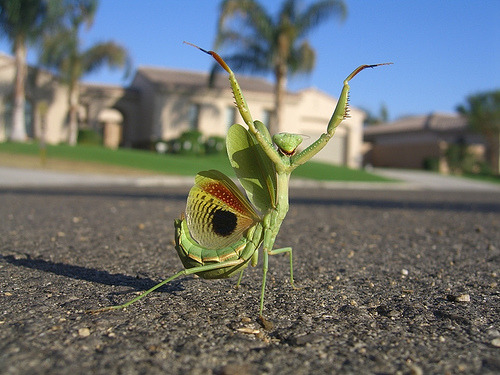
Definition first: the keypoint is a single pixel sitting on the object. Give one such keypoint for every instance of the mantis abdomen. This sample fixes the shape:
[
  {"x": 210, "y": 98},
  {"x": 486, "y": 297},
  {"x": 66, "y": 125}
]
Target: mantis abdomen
[{"x": 236, "y": 257}]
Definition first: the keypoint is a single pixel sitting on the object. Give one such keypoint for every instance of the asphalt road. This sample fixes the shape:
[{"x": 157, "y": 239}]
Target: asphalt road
[{"x": 391, "y": 282}]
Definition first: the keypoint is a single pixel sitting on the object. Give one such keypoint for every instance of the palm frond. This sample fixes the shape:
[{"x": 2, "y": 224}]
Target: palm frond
[
  {"x": 288, "y": 11},
  {"x": 56, "y": 48},
  {"x": 107, "y": 53},
  {"x": 249, "y": 14},
  {"x": 302, "y": 59},
  {"x": 319, "y": 12}
]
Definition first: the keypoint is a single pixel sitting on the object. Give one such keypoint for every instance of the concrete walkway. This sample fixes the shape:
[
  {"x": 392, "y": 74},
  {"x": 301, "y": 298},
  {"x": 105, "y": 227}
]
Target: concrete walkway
[
  {"x": 408, "y": 180},
  {"x": 433, "y": 181},
  {"x": 25, "y": 177}
]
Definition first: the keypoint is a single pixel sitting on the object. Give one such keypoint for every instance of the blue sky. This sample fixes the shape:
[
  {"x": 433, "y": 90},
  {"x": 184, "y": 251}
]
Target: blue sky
[{"x": 442, "y": 50}]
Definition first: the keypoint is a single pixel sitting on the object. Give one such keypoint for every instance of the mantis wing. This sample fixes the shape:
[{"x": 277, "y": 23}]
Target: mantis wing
[
  {"x": 217, "y": 213},
  {"x": 252, "y": 166}
]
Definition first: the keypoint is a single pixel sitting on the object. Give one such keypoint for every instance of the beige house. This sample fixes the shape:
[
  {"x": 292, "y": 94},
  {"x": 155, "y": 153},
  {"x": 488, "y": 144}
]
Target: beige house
[
  {"x": 413, "y": 141},
  {"x": 41, "y": 87},
  {"x": 160, "y": 104}
]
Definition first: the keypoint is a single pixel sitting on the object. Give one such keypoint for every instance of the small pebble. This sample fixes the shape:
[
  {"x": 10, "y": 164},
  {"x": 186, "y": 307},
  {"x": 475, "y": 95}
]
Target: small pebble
[
  {"x": 83, "y": 332},
  {"x": 496, "y": 342},
  {"x": 463, "y": 298},
  {"x": 248, "y": 330},
  {"x": 416, "y": 370},
  {"x": 458, "y": 298}
]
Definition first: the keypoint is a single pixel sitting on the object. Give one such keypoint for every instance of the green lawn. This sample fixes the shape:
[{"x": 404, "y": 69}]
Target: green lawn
[
  {"x": 175, "y": 164},
  {"x": 483, "y": 177}
]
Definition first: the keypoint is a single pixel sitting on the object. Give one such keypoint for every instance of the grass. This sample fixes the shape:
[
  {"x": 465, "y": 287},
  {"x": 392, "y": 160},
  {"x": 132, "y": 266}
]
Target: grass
[
  {"x": 94, "y": 158},
  {"x": 483, "y": 177}
]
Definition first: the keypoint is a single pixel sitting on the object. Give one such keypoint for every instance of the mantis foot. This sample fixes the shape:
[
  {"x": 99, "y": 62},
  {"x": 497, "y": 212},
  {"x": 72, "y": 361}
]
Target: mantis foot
[{"x": 266, "y": 324}]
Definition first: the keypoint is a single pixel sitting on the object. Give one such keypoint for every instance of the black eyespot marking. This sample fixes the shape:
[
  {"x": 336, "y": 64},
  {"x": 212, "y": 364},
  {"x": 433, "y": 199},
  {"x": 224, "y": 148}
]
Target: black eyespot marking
[{"x": 223, "y": 222}]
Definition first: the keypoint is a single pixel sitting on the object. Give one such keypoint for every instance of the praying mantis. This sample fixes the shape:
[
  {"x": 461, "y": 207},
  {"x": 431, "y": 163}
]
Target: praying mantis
[{"x": 222, "y": 230}]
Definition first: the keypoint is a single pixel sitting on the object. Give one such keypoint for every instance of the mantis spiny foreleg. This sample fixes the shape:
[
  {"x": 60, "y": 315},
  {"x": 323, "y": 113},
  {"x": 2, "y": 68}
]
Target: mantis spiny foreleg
[
  {"x": 341, "y": 113},
  {"x": 242, "y": 106}
]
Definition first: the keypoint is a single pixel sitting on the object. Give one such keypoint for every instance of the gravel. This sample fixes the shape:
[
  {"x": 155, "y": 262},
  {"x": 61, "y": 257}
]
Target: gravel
[{"x": 391, "y": 282}]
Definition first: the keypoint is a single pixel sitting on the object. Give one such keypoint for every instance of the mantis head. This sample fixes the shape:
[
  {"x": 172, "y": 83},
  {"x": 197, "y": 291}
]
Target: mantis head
[{"x": 287, "y": 143}]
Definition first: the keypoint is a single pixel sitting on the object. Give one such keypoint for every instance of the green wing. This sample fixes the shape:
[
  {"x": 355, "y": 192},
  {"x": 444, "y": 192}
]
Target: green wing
[
  {"x": 217, "y": 212},
  {"x": 252, "y": 166}
]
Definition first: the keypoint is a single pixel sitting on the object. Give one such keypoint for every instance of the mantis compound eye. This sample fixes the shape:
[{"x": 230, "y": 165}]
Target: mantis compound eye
[{"x": 287, "y": 143}]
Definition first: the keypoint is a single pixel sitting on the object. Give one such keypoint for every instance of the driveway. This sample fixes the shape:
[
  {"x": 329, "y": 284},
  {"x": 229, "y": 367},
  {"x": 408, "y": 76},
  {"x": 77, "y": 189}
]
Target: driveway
[
  {"x": 26, "y": 177},
  {"x": 408, "y": 180},
  {"x": 433, "y": 181}
]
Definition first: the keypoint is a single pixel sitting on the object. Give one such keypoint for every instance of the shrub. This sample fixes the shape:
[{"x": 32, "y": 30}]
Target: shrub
[
  {"x": 191, "y": 143},
  {"x": 215, "y": 145},
  {"x": 431, "y": 164},
  {"x": 89, "y": 137}
]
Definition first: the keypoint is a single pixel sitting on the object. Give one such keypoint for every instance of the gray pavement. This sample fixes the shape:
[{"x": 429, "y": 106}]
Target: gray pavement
[
  {"x": 407, "y": 180},
  {"x": 390, "y": 282}
]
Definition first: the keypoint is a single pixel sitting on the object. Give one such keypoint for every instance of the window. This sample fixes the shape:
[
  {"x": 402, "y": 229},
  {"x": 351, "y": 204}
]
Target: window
[
  {"x": 193, "y": 116},
  {"x": 230, "y": 116},
  {"x": 266, "y": 117},
  {"x": 28, "y": 118}
]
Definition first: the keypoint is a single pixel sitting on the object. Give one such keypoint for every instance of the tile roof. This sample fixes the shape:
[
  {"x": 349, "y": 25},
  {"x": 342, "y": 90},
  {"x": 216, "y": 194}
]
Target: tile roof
[
  {"x": 167, "y": 77},
  {"x": 434, "y": 121}
]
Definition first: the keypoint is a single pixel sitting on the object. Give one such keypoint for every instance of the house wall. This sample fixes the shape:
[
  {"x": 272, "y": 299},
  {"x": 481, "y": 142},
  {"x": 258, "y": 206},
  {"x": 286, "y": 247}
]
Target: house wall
[
  {"x": 172, "y": 111},
  {"x": 404, "y": 155},
  {"x": 142, "y": 131},
  {"x": 412, "y": 149},
  {"x": 41, "y": 87},
  {"x": 313, "y": 111},
  {"x": 98, "y": 101},
  {"x": 307, "y": 112}
]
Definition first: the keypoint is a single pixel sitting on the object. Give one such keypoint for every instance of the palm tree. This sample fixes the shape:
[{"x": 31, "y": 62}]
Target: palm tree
[
  {"x": 483, "y": 113},
  {"x": 273, "y": 44},
  {"x": 23, "y": 23},
  {"x": 63, "y": 52}
]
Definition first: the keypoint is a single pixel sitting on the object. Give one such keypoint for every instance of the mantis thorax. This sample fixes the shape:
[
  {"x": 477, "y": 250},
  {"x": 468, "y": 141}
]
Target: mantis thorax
[{"x": 287, "y": 142}]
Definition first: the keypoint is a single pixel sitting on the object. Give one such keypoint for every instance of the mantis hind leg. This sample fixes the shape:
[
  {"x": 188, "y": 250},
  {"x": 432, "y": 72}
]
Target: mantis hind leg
[
  {"x": 188, "y": 271},
  {"x": 239, "y": 278}
]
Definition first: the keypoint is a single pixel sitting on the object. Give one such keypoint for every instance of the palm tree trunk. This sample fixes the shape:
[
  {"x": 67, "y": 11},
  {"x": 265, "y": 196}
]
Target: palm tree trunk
[
  {"x": 18, "y": 133},
  {"x": 73, "y": 115},
  {"x": 279, "y": 93}
]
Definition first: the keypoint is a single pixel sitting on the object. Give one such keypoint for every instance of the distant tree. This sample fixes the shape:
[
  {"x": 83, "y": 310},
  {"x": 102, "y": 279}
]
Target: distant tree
[
  {"x": 24, "y": 23},
  {"x": 483, "y": 113},
  {"x": 277, "y": 44},
  {"x": 63, "y": 52},
  {"x": 381, "y": 118},
  {"x": 384, "y": 113}
]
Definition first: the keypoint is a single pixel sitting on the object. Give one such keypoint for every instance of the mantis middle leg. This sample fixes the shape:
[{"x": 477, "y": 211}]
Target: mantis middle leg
[{"x": 266, "y": 266}]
